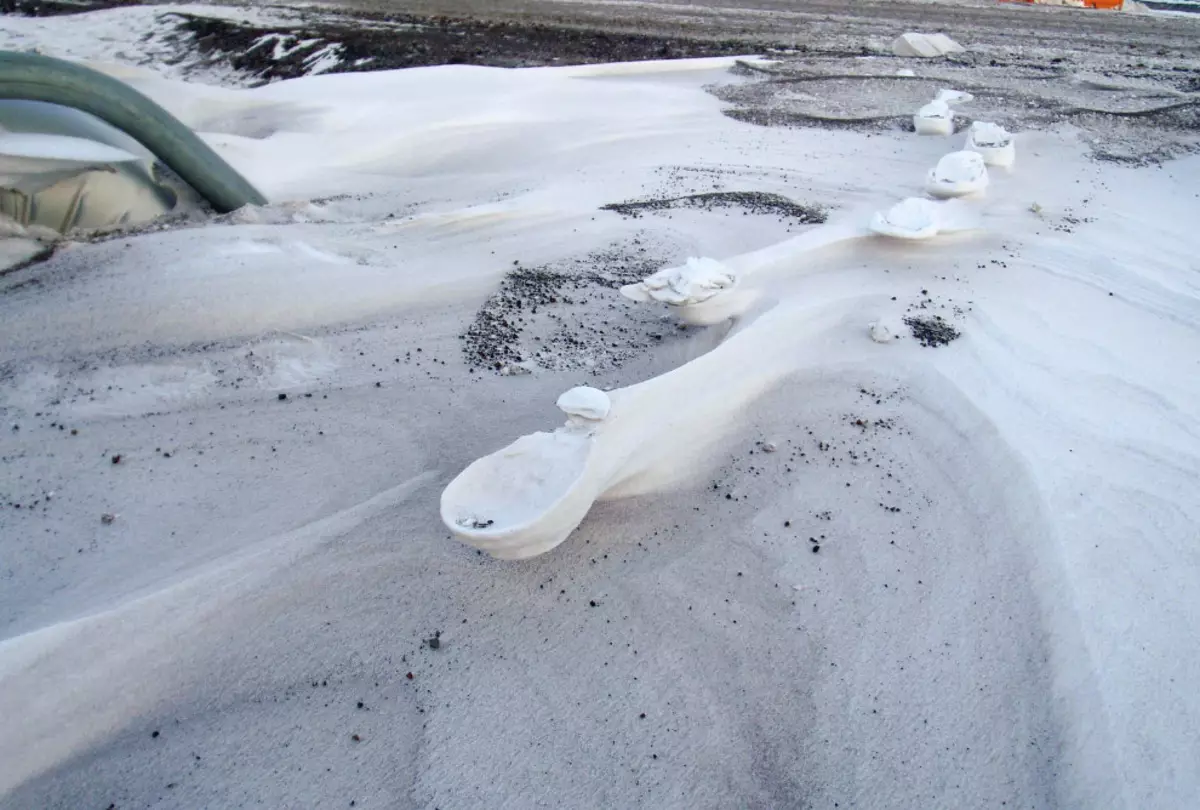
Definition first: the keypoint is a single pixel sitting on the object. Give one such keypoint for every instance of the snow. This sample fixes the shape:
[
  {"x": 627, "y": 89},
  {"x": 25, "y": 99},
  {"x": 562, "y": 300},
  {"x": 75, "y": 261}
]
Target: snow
[
  {"x": 144, "y": 38},
  {"x": 958, "y": 174},
  {"x": 913, "y": 218},
  {"x": 698, "y": 280},
  {"x": 1019, "y": 630},
  {"x": 928, "y": 46},
  {"x": 993, "y": 143},
  {"x": 585, "y": 403}
]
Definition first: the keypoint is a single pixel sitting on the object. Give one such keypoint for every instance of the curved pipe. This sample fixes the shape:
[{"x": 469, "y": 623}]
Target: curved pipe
[{"x": 42, "y": 78}]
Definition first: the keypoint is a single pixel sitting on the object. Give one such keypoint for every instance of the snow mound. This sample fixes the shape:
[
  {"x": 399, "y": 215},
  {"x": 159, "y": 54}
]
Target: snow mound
[
  {"x": 914, "y": 218},
  {"x": 885, "y": 330},
  {"x": 937, "y": 117},
  {"x": 993, "y": 143},
  {"x": 957, "y": 175},
  {"x": 927, "y": 46},
  {"x": 697, "y": 281},
  {"x": 585, "y": 404}
]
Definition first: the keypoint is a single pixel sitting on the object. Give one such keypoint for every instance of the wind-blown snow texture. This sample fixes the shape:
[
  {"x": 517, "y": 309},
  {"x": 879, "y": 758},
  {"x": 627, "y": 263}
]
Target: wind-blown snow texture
[{"x": 965, "y": 576}]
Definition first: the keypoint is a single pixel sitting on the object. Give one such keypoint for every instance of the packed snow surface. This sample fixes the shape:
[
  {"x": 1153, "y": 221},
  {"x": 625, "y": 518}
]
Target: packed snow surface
[{"x": 959, "y": 568}]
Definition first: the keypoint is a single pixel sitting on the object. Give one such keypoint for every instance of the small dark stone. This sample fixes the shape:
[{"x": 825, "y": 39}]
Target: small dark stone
[
  {"x": 154, "y": 734},
  {"x": 282, "y": 397},
  {"x": 642, "y": 716},
  {"x": 360, "y": 704},
  {"x": 356, "y": 738},
  {"x": 116, "y": 459},
  {"x": 787, "y": 523},
  {"x": 409, "y": 676},
  {"x": 435, "y": 643},
  {"x": 816, "y": 549}
]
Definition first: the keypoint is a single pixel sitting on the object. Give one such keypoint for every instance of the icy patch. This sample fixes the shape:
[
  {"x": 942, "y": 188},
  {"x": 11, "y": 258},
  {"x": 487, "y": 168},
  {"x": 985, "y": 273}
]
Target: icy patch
[{"x": 283, "y": 362}]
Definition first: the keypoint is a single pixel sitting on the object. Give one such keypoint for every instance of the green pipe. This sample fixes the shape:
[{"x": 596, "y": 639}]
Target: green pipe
[{"x": 42, "y": 78}]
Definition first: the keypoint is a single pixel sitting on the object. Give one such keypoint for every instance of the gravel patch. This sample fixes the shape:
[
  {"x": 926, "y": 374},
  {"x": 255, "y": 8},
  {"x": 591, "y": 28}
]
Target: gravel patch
[
  {"x": 568, "y": 316},
  {"x": 932, "y": 331},
  {"x": 753, "y": 202}
]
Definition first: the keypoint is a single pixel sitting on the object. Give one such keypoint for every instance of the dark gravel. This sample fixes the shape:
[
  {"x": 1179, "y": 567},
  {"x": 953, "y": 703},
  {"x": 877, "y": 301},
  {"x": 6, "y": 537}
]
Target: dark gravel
[
  {"x": 754, "y": 202},
  {"x": 932, "y": 331},
  {"x": 567, "y": 316}
]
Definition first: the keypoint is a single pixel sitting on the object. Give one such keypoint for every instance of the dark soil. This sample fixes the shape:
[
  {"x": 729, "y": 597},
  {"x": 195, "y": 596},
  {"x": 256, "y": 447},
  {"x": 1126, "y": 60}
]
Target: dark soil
[
  {"x": 754, "y": 202},
  {"x": 404, "y": 41}
]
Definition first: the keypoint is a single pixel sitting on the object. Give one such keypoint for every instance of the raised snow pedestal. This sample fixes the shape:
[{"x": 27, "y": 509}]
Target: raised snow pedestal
[
  {"x": 914, "y": 218},
  {"x": 993, "y": 143},
  {"x": 697, "y": 281},
  {"x": 957, "y": 175},
  {"x": 703, "y": 292},
  {"x": 937, "y": 117},
  {"x": 917, "y": 218},
  {"x": 527, "y": 498}
]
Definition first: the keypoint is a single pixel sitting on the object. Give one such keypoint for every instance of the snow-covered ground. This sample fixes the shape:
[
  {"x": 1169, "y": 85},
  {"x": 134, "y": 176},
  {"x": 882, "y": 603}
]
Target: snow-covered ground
[{"x": 963, "y": 576}]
